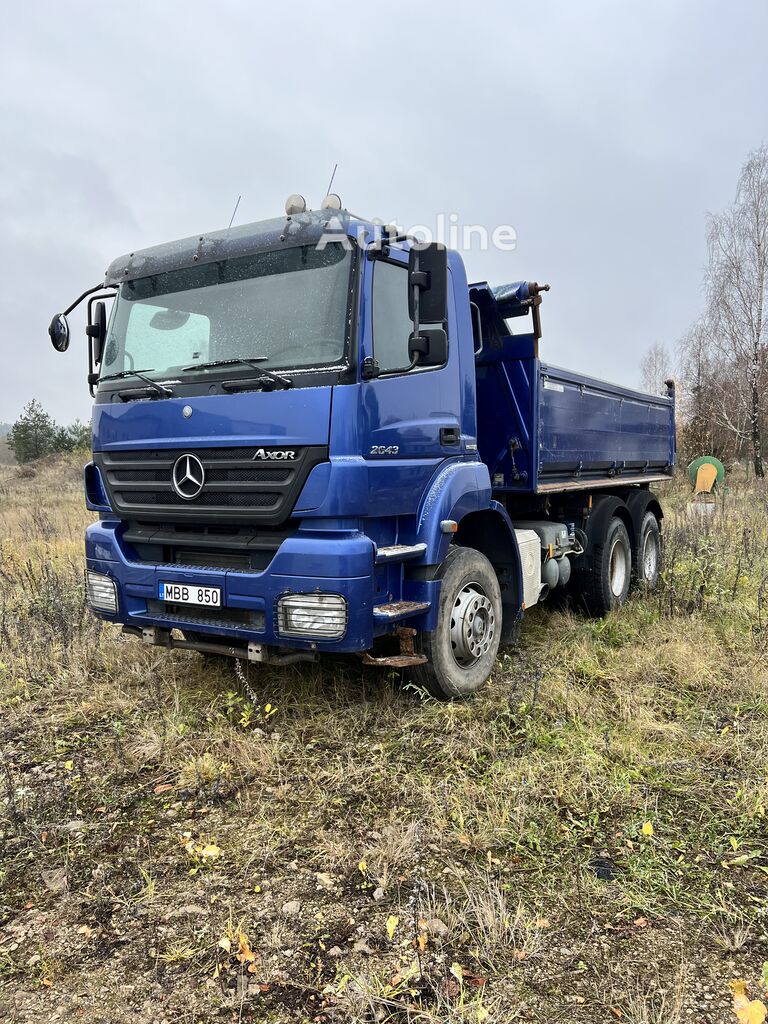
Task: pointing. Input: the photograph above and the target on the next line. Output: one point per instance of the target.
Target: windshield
(287, 309)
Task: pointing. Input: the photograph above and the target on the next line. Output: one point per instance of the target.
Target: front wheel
(462, 650)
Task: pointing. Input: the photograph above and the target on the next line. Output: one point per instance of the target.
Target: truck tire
(462, 650)
(606, 586)
(648, 553)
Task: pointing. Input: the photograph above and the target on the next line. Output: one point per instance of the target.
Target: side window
(392, 326)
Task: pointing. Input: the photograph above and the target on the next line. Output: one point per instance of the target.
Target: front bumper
(334, 560)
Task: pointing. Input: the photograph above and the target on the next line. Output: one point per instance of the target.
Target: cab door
(411, 418)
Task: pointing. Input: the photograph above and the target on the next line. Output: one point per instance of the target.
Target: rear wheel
(648, 555)
(606, 586)
(462, 650)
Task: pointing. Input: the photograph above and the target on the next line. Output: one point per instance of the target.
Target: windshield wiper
(253, 361)
(161, 389)
(123, 373)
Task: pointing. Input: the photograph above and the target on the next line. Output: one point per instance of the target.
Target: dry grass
(153, 811)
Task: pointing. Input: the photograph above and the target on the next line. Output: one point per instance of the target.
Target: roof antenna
(328, 190)
(234, 212)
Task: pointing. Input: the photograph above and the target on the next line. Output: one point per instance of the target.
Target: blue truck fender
(462, 492)
(456, 490)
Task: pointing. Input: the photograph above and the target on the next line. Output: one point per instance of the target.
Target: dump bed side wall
(591, 430)
(542, 428)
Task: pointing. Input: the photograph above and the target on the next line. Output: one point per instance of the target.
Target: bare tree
(710, 416)
(656, 368)
(737, 280)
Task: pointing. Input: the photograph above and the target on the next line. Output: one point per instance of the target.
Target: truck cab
(311, 435)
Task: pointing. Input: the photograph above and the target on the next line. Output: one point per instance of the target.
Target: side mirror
(431, 347)
(97, 331)
(428, 273)
(59, 333)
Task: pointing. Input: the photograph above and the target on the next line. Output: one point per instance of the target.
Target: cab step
(398, 610)
(400, 553)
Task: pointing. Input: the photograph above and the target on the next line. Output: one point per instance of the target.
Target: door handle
(450, 436)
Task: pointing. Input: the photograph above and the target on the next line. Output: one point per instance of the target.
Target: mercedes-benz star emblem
(188, 476)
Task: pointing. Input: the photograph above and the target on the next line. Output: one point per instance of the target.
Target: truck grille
(237, 488)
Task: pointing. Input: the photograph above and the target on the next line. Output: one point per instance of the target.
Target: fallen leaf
(542, 922)
(450, 987)
(748, 1011)
(55, 879)
(163, 787)
(475, 979)
(616, 1011)
(245, 953)
(647, 828)
(744, 858)
(392, 922)
(641, 922)
(422, 941)
(69, 765)
(457, 971)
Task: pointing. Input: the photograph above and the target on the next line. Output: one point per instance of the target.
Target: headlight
(101, 592)
(315, 615)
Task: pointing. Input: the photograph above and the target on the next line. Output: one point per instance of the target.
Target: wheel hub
(650, 557)
(618, 568)
(473, 625)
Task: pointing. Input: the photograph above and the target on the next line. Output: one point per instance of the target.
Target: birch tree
(736, 283)
(656, 368)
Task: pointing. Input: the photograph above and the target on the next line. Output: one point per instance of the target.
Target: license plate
(182, 593)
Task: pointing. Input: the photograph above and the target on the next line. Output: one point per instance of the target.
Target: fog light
(315, 615)
(101, 592)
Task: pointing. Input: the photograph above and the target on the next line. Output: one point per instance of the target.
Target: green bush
(35, 435)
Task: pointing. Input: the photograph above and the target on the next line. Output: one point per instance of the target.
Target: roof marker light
(295, 204)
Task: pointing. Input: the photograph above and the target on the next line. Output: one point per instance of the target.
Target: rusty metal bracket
(407, 655)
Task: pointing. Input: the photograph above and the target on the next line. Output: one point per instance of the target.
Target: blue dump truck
(312, 435)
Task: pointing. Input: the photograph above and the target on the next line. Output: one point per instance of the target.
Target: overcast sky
(602, 132)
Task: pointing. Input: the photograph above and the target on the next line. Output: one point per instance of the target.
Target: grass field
(190, 841)
(6, 455)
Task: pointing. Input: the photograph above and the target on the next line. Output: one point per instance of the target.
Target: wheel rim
(650, 560)
(473, 625)
(619, 566)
